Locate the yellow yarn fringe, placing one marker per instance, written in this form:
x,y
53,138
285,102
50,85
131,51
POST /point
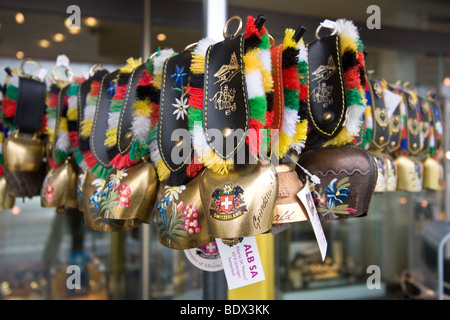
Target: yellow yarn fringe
x,y
157,78
62,125
131,65
347,43
198,63
142,108
341,139
284,143
288,41
216,163
267,80
86,126
72,114
302,129
252,62
111,137
162,170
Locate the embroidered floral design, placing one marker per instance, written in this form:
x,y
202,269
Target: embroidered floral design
x,y
332,200
181,105
191,215
81,178
173,192
115,194
179,75
180,108
181,220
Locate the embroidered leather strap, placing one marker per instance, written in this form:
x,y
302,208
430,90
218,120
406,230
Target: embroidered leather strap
x,y
412,124
30,105
100,125
327,105
124,137
173,109
226,107
425,123
381,127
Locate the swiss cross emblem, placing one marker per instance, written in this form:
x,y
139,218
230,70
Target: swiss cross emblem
x,y
226,203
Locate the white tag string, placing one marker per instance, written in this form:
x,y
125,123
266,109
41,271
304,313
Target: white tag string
x,y
314,179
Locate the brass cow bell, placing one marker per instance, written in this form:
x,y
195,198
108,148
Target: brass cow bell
x,y
23,153
59,187
410,174
288,207
240,203
180,217
6,201
433,174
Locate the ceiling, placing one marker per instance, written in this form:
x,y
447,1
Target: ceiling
x,y
420,26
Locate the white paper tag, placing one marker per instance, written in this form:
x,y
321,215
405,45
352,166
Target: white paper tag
x,y
391,100
241,263
306,198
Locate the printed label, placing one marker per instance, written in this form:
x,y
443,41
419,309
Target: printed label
x,y
241,263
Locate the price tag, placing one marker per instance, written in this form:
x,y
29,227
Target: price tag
x,y
241,263
306,198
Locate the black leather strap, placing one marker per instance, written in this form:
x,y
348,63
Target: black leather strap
x,y
126,114
172,117
30,105
225,104
381,126
327,104
412,125
100,125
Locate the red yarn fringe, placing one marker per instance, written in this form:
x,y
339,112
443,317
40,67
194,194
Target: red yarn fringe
x,y
145,79
291,78
9,107
73,138
196,98
89,159
254,137
122,161
95,88
352,78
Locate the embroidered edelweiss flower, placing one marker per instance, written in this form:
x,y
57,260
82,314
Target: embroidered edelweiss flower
x,y
180,107
179,75
174,191
227,189
334,194
119,175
